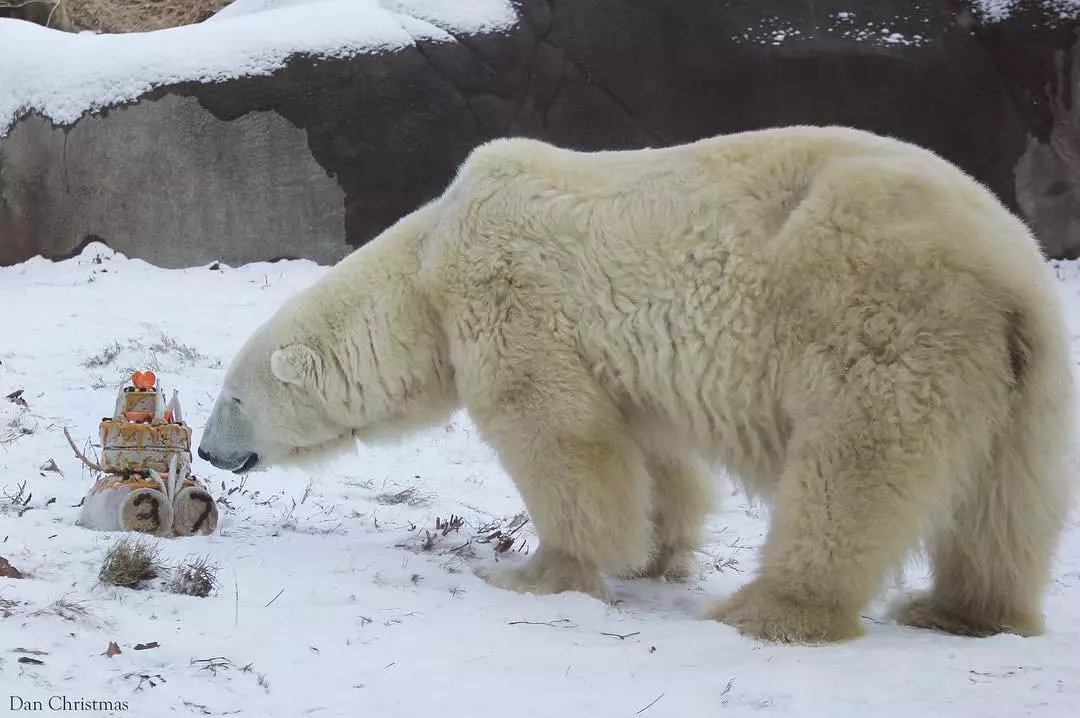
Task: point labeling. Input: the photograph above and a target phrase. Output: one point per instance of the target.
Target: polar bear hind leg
(880, 451)
(991, 560)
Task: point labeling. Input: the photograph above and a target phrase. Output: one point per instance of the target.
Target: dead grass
(448, 539)
(130, 562)
(195, 577)
(9, 606)
(149, 355)
(66, 609)
(105, 357)
(185, 352)
(221, 663)
(17, 427)
(112, 15)
(410, 496)
(504, 533)
(722, 560)
(17, 500)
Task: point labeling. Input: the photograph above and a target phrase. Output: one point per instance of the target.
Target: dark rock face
(166, 181)
(383, 133)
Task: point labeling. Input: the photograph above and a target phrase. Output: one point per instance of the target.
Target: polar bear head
(280, 403)
(360, 354)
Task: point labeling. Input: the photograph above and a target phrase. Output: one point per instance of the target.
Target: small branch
(563, 621)
(275, 597)
(650, 705)
(622, 637)
(79, 455)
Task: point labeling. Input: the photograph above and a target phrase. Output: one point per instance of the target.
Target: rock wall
(318, 157)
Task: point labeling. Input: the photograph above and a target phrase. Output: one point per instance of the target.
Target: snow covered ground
(332, 601)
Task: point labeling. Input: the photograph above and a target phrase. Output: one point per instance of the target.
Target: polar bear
(857, 331)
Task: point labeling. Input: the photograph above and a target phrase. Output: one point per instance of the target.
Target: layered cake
(147, 485)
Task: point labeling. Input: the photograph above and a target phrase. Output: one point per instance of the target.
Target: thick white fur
(860, 333)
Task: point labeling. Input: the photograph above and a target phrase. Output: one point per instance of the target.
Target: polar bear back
(697, 281)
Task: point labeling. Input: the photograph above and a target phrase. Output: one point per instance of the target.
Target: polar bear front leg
(583, 480)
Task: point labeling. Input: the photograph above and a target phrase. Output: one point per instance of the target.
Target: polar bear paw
(666, 564)
(759, 611)
(923, 611)
(548, 571)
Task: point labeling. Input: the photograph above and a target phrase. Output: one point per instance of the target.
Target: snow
(995, 9)
(998, 10)
(63, 75)
(845, 25)
(775, 32)
(328, 597)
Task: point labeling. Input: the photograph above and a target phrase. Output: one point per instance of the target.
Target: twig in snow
(622, 637)
(79, 455)
(650, 705)
(146, 678)
(563, 621)
(275, 597)
(20, 497)
(724, 693)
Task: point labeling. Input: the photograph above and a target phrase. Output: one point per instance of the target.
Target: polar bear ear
(296, 364)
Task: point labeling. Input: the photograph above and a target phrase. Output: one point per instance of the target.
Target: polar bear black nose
(203, 455)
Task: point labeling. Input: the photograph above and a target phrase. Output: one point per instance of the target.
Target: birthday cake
(147, 484)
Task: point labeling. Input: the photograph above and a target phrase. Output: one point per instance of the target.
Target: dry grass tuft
(66, 609)
(111, 16)
(17, 427)
(8, 607)
(130, 562)
(410, 496)
(17, 500)
(504, 534)
(195, 577)
(105, 357)
(185, 352)
(221, 663)
(150, 354)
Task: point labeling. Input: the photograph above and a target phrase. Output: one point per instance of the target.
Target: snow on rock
(468, 16)
(998, 10)
(992, 10)
(842, 25)
(847, 25)
(339, 597)
(64, 75)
